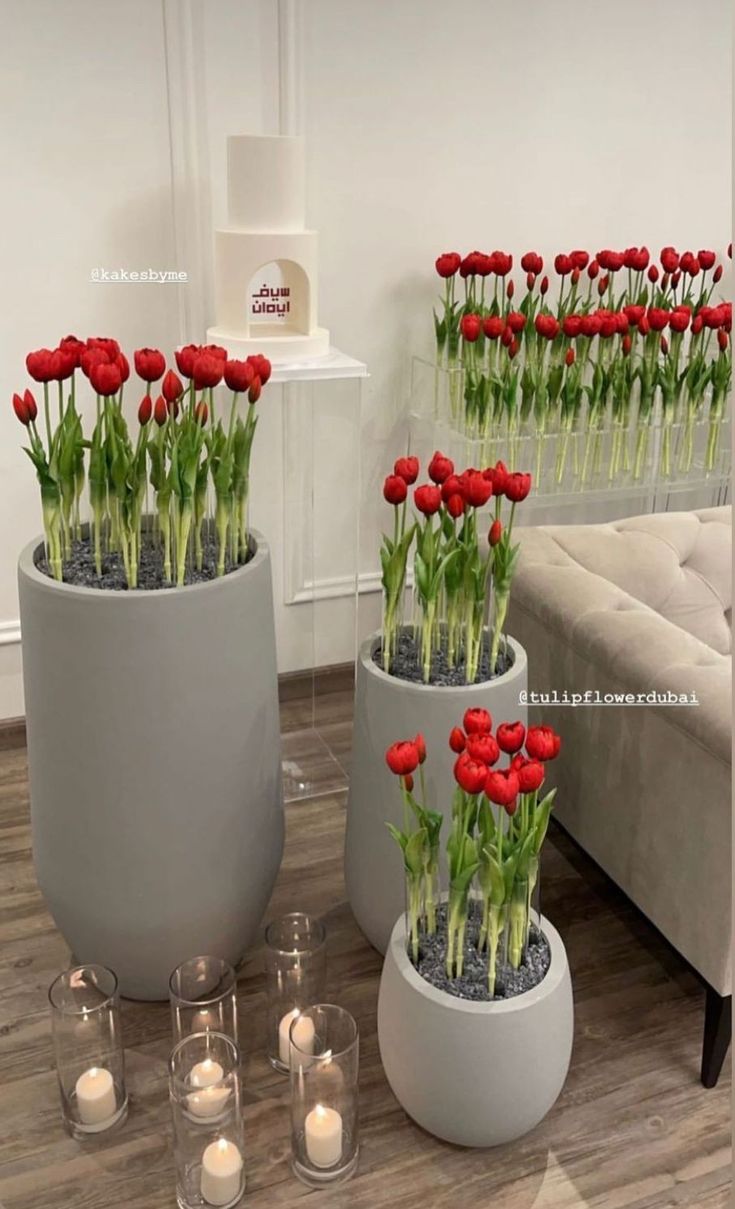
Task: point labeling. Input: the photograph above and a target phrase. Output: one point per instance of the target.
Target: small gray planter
(476, 1074)
(387, 709)
(155, 766)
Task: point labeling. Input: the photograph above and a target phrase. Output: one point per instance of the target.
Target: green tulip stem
(184, 526)
(47, 415)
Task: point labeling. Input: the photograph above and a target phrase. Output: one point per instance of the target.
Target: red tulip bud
(653, 273)
(172, 387)
(513, 348)
(530, 280)
(507, 336)
(675, 279)
(457, 740)
(544, 285)
(510, 289)
(627, 345)
(603, 284)
(717, 275)
(160, 411)
(20, 409)
(593, 269)
(254, 391)
(496, 532)
(575, 276)
(722, 339)
(664, 345)
(665, 282)
(145, 411)
(201, 413)
(30, 403)
(569, 358)
(408, 782)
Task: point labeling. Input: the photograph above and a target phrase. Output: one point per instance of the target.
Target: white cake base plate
(278, 345)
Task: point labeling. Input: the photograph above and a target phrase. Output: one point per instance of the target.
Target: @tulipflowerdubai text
(594, 697)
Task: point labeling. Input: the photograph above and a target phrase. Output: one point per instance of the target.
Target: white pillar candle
(204, 1074)
(303, 1035)
(221, 1178)
(209, 1100)
(323, 1133)
(96, 1100)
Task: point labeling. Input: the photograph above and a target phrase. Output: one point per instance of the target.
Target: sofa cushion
(677, 563)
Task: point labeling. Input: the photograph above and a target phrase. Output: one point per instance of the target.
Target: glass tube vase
(204, 1090)
(324, 1096)
(296, 970)
(203, 995)
(87, 1038)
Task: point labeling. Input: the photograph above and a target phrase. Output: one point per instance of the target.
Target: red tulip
(477, 721)
(496, 532)
(510, 736)
(593, 269)
(428, 499)
(63, 364)
(39, 365)
(145, 411)
(530, 280)
(260, 364)
(531, 262)
(448, 263)
(502, 263)
(499, 478)
(483, 748)
(239, 375)
(590, 325)
(74, 346)
(510, 290)
(105, 378)
(477, 490)
(470, 774)
(689, 264)
(542, 743)
(207, 370)
(395, 489)
(626, 345)
(579, 258)
(172, 387)
(185, 358)
(569, 357)
(657, 318)
(440, 468)
(160, 411)
(402, 758)
(21, 410)
(530, 774)
(254, 391)
(455, 505)
(634, 313)
(517, 487)
(547, 326)
(722, 339)
(149, 364)
(679, 320)
(452, 485)
(669, 259)
(501, 786)
(493, 326)
(457, 740)
(544, 289)
(706, 259)
(470, 326)
(717, 275)
(420, 745)
(563, 264)
(572, 325)
(516, 321)
(407, 469)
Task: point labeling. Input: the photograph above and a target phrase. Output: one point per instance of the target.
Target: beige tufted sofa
(635, 606)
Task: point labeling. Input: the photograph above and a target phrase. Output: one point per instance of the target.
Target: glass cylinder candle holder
(204, 1088)
(296, 971)
(85, 1025)
(324, 1096)
(203, 998)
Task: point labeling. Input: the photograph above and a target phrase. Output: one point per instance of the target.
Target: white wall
(437, 126)
(430, 126)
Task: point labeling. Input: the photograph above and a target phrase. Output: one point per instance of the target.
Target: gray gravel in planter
(473, 983)
(80, 569)
(406, 663)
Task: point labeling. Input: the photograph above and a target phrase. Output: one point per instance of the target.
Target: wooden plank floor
(633, 1128)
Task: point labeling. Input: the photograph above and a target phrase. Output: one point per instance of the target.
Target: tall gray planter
(388, 709)
(155, 766)
(472, 1073)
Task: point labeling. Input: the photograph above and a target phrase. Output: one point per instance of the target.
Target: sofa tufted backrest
(677, 563)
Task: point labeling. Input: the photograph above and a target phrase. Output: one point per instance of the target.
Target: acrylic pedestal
(305, 488)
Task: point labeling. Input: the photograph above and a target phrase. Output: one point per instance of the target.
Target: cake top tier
(265, 182)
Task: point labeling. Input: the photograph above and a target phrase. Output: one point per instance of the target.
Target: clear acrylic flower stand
(305, 499)
(596, 469)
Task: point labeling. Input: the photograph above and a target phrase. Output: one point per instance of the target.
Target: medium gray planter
(388, 709)
(155, 766)
(476, 1074)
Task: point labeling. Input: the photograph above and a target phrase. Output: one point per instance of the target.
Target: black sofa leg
(717, 1032)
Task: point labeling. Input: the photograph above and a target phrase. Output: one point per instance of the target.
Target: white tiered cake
(265, 271)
